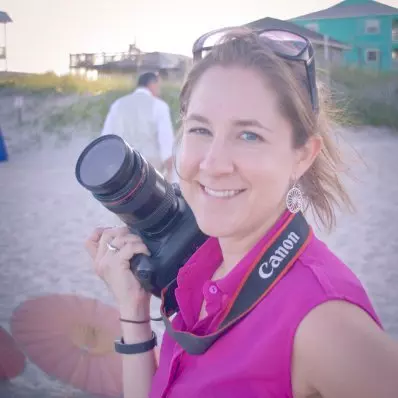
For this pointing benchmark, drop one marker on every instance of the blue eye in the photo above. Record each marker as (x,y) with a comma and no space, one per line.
(249,136)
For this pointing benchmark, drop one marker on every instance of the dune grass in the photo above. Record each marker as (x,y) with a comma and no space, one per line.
(92,101)
(67,84)
(365,98)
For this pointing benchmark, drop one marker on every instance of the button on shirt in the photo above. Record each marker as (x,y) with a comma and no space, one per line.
(253,359)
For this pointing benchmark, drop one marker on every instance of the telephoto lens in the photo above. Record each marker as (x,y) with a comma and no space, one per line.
(126,184)
(122,180)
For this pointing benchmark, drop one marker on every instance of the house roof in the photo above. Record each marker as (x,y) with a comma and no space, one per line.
(344,10)
(4,17)
(314,37)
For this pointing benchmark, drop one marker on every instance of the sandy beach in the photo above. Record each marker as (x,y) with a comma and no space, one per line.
(46,216)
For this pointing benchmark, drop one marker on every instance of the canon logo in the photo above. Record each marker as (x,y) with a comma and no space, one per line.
(267,267)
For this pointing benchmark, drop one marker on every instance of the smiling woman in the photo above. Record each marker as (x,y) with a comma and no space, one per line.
(233,151)
(255,139)
(271,104)
(254,142)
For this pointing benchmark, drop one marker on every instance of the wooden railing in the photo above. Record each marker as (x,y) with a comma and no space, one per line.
(87,60)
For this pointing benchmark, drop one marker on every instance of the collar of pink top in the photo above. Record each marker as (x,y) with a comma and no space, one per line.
(195,282)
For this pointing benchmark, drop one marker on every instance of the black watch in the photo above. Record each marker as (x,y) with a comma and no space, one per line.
(138,348)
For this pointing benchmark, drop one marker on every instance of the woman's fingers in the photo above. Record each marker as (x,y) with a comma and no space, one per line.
(108,236)
(120,259)
(121,240)
(130,249)
(113,266)
(92,242)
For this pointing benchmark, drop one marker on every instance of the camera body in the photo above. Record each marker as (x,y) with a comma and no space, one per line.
(169,250)
(127,185)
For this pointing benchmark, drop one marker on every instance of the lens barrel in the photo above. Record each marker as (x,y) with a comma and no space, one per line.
(126,184)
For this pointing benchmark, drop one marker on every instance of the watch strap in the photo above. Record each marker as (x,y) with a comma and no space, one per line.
(138,348)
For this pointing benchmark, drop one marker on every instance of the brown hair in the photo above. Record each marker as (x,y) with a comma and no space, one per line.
(321,183)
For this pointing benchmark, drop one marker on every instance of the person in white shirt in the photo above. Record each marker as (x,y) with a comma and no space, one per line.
(143,120)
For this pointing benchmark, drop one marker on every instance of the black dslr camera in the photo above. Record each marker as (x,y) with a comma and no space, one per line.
(127,185)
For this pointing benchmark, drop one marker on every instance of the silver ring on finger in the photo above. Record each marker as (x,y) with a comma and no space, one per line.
(111,247)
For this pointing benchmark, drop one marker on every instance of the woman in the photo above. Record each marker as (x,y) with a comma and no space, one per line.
(254,137)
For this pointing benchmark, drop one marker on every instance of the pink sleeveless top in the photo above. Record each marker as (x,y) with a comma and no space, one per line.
(254,358)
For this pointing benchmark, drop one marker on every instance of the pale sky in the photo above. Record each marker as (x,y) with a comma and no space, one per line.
(44,32)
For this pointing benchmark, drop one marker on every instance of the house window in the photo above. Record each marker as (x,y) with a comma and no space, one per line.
(394,32)
(371,56)
(394,56)
(313,26)
(372,26)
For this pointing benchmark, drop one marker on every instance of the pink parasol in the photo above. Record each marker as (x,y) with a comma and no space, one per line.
(71,338)
(12,360)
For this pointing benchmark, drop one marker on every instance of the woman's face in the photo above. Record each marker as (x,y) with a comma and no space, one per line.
(236,157)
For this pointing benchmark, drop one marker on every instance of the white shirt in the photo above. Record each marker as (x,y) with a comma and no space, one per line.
(161,117)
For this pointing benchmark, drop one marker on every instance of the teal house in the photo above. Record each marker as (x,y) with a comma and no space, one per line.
(368,27)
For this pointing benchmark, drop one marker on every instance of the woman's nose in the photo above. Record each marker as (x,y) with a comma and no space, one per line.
(217,159)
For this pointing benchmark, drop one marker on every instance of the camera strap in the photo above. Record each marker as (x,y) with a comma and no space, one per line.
(274,261)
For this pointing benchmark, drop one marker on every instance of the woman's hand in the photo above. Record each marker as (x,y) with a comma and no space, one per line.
(113,267)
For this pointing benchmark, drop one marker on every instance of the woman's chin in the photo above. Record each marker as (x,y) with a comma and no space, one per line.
(214,228)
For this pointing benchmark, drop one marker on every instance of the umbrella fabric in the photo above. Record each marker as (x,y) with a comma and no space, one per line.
(71,338)
(12,359)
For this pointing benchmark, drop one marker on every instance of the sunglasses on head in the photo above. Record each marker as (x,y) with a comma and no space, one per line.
(287,45)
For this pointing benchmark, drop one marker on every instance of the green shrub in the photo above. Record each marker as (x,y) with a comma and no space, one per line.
(367,98)
(67,84)
(92,110)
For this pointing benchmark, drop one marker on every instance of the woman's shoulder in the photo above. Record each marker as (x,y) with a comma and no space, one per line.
(327,269)
(340,339)
(321,276)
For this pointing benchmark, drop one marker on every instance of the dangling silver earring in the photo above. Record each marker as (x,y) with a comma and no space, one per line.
(295,199)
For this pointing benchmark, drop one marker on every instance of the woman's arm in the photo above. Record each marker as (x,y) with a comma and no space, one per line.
(111,250)
(138,369)
(340,352)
